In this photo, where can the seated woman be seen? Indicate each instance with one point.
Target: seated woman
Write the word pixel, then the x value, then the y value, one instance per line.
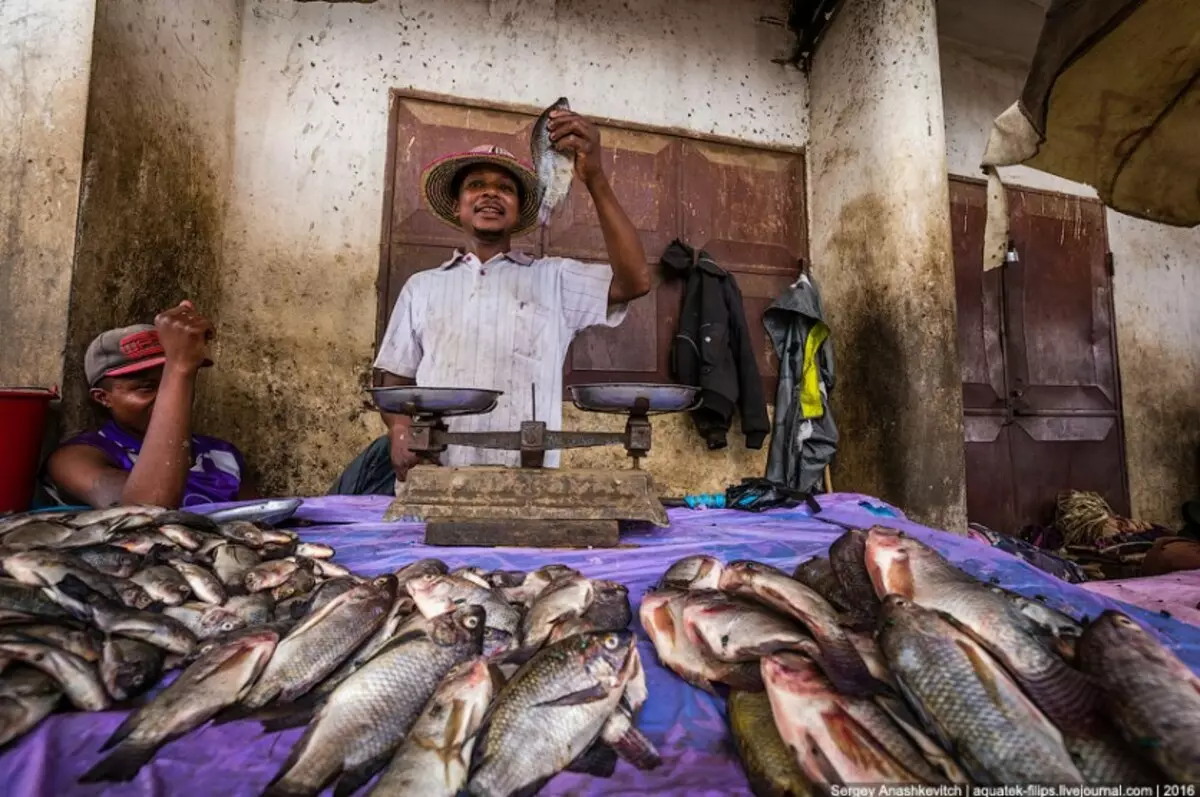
pixel 145 377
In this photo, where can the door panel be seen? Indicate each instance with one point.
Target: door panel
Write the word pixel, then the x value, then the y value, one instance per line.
pixel 1040 398
pixel 742 204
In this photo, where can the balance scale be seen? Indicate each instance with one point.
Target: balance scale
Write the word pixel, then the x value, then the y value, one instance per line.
pixel 530 505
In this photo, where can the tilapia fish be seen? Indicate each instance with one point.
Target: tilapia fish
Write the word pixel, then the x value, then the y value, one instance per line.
pixel 1152 695
pixel 770 765
pixel 268 575
pixel 432 761
pixel 551 711
pixel 661 615
pixel 904 566
pixel 694 572
pixel 204 620
pixel 204 585
pixel 20 601
pixel 155 629
pixel 966 697
pixel 256 609
pixel 27 696
pixel 231 563
pixel 215 680
pixel 734 630
pixel 421 567
pixel 402 608
pixel 109 560
pixel 76 677
pixel 839 657
pixel 321 642
pixel 610 609
pixel 129 667
pixel 239 531
pixel 847 558
pixel 436 594
pixel 361 723
pixel 554 169
pixel 163 583
pixel 565 598
pixel 84 643
pixel 836 738
pixel 46 568
pixel 127 518
pixel 534 583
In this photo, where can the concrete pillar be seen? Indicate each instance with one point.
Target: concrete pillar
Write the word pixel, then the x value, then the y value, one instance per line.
pixel 45 65
pixel 879 204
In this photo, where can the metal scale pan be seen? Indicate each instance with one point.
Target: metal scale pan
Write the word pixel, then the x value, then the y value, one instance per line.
pixel 435 401
pixel 627 398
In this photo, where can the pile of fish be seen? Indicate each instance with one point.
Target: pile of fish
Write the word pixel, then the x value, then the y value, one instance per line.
pixel 493 682
pixel 884 663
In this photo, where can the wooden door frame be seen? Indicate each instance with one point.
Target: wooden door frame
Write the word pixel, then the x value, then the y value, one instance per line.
pixel 1112 309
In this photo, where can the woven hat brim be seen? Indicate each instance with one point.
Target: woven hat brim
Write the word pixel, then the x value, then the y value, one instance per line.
pixel 438 180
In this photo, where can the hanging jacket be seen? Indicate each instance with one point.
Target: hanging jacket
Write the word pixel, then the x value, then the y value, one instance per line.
pixel 804 438
pixel 712 349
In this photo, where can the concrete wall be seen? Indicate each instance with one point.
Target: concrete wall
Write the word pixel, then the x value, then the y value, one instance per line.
pixel 881 248
pixel 297 287
pixel 44 68
pixel 158 161
pixel 1156 293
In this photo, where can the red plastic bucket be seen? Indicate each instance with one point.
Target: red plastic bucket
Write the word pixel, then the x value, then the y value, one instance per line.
pixel 22 425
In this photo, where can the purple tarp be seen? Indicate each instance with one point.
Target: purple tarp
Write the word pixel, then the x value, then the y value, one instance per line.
pixel 237 760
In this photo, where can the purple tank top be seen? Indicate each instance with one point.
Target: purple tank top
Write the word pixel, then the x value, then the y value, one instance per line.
pixel 215 475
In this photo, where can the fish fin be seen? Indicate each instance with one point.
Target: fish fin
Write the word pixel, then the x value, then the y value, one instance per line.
pixel 698 682
pixel 634 747
pixel 1003 691
pixel 279 787
pixel 357 776
pixel 233 714
pixel 123 730
pixel 598 760
pixel 582 697
pixel 121 765
pixel 283 718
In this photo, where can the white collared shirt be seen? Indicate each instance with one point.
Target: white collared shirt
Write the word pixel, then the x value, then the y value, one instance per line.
pixel 502 325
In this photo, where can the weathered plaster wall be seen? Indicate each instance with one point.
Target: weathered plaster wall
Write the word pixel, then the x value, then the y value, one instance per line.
pixel 881 247
pixel 1156 293
pixel 297 289
pixel 157 165
pixel 44 67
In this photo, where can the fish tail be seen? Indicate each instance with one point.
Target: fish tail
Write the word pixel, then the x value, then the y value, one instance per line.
pixel 121 765
pixel 635 748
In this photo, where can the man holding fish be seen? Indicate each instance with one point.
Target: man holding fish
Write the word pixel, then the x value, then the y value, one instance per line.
pixel 496 318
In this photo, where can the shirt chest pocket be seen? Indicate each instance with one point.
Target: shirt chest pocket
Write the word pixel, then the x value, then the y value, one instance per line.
pixel 533 330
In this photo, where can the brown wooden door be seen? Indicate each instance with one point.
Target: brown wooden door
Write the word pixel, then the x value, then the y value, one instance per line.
pixel 1040 388
pixel 745 205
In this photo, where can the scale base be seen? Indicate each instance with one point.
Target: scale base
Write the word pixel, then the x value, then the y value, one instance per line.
pixel 498 495
pixel 525 533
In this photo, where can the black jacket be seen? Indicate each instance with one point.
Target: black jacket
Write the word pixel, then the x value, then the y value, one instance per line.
pixel 712 349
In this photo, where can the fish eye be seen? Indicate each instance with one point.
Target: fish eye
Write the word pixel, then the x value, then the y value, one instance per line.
pixel 611 642
pixel 471 622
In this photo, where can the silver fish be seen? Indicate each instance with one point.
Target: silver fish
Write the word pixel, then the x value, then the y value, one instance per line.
pixel 694 572
pixel 111 618
pixel 231 563
pixel 85 644
pixel 218 678
pixel 322 641
pixel 432 761
pixel 565 598
pixel 365 719
pixel 551 711
pixel 129 667
pixel 314 550
pixel 534 583
pixel 203 583
pixel 436 595
pixel 163 583
pixel 181 535
pixel 268 575
pixel 128 517
pixel 256 609
pixel 109 560
pixel 77 678
pixel 555 169
pixel 204 620
pixel 27 696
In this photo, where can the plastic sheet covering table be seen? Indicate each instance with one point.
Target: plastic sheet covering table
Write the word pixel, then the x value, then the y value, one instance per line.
pixel 238 759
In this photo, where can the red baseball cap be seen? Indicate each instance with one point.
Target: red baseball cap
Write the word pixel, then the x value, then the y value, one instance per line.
pixel 124 351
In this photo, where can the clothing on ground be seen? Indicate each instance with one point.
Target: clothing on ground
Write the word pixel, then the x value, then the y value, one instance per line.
pixel 712 349
pixel 502 325
pixel 805 437
pixel 216 472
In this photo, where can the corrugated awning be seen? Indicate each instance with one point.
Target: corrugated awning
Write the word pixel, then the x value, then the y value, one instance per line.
pixel 1112 100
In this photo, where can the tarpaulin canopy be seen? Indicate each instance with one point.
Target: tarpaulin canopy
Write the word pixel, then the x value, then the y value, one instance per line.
pixel 1112 100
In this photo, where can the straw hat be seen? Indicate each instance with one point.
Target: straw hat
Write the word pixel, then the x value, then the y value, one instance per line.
pixel 437 184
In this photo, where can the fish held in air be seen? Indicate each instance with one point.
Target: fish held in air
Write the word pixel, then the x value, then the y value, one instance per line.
pixel 969 700
pixel 770 765
pixel 215 680
pixel 1153 697
pixel 836 738
pixel 555 169
pixel 839 657
pixel 434 757
pixel 361 723
pixel 549 713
